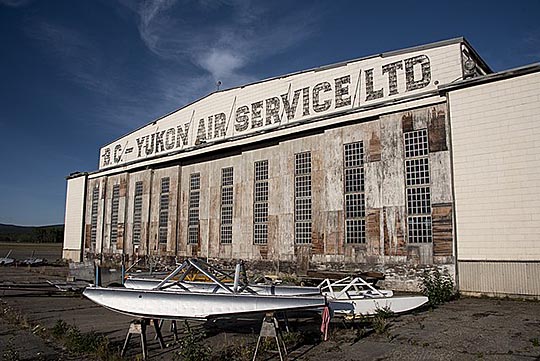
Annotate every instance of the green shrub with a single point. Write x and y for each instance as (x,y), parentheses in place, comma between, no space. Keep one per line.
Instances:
(438,287)
(192,347)
(380,321)
(10,354)
(83,343)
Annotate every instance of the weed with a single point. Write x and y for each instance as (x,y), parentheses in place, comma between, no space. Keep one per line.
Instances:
(191,347)
(535,342)
(10,354)
(238,352)
(290,279)
(380,321)
(83,343)
(438,287)
(293,339)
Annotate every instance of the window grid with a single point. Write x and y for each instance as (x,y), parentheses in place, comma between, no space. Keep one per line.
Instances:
(114,212)
(355,203)
(418,201)
(419,229)
(417,181)
(93,216)
(302,195)
(164,210)
(193,211)
(416,143)
(260,203)
(227,195)
(417,171)
(137,213)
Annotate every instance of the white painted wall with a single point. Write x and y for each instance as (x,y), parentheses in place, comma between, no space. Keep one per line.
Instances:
(74,218)
(496,155)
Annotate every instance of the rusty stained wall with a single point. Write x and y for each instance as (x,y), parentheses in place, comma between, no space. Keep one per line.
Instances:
(96,248)
(167,248)
(386,247)
(129,248)
(121,181)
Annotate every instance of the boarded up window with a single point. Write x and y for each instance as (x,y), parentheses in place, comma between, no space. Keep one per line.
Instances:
(193,211)
(114,213)
(417,186)
(137,213)
(355,203)
(302,198)
(442,229)
(227,196)
(260,203)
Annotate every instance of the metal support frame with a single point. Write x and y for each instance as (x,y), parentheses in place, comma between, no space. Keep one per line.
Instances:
(342,287)
(138,327)
(270,328)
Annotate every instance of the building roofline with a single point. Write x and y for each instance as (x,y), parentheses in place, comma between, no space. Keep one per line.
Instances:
(315,69)
(505,74)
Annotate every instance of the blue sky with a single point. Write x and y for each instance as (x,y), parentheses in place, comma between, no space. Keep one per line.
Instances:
(75,75)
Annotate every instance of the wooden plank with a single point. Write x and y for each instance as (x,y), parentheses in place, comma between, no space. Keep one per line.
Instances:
(442,229)
(437,131)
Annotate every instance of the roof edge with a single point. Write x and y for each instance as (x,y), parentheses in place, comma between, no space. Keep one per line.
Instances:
(315,69)
(505,74)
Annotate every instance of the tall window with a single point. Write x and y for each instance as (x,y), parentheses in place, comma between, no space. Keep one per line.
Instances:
(193,211)
(93,216)
(260,203)
(164,210)
(137,213)
(227,191)
(302,198)
(355,203)
(114,213)
(417,186)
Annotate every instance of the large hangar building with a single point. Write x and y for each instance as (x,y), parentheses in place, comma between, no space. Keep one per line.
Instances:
(399,162)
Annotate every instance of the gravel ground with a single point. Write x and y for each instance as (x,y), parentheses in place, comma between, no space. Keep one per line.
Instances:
(465,329)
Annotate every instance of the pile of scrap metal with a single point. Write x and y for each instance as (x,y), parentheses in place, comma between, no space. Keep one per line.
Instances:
(225,294)
(6,261)
(30,261)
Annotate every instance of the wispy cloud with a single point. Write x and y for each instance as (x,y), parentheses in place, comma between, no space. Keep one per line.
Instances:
(532,45)
(15,3)
(193,45)
(81,58)
(221,38)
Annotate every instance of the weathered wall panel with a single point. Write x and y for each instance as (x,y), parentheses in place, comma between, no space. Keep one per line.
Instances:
(386,226)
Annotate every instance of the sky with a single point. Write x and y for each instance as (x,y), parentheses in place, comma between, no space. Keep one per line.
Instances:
(76,75)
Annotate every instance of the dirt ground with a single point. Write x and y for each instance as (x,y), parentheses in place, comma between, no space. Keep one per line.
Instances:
(465,329)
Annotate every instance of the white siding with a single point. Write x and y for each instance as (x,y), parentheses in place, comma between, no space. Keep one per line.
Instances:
(496,154)
(73,229)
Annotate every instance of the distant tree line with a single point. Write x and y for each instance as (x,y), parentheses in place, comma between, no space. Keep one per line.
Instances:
(47,234)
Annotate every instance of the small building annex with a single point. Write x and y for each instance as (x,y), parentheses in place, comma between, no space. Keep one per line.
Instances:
(400,162)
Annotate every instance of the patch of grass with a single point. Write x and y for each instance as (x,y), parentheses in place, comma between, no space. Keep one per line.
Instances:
(10,354)
(237,352)
(438,287)
(192,347)
(84,343)
(12,316)
(380,321)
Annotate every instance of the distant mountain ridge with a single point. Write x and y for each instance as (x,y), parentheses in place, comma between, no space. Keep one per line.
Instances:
(32,234)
